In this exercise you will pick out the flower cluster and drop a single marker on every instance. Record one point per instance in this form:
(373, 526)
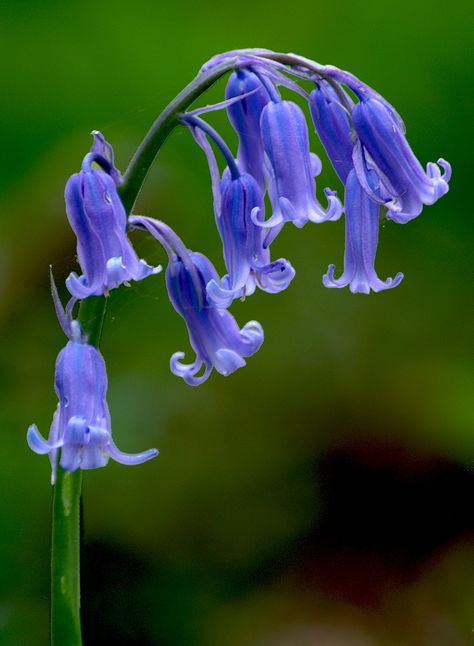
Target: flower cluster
(364, 139)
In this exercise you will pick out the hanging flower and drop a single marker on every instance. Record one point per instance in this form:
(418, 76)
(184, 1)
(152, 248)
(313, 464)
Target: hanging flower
(81, 427)
(99, 221)
(362, 231)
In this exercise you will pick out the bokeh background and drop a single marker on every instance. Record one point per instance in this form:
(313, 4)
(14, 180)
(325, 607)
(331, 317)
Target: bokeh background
(323, 494)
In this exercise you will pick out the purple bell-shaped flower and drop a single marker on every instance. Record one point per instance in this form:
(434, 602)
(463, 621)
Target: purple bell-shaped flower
(81, 427)
(213, 332)
(99, 221)
(292, 168)
(404, 186)
(246, 256)
(362, 230)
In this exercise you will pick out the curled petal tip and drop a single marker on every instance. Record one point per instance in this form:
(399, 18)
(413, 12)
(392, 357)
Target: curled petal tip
(252, 334)
(335, 208)
(447, 169)
(397, 280)
(36, 441)
(276, 276)
(316, 164)
(328, 278)
(273, 221)
(218, 295)
(227, 361)
(154, 270)
(78, 289)
(131, 458)
(188, 371)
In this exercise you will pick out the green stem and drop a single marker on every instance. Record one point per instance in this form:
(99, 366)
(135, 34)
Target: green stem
(65, 593)
(91, 317)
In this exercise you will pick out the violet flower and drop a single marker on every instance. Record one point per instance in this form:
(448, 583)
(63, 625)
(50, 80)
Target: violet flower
(99, 221)
(404, 186)
(292, 168)
(81, 427)
(238, 206)
(362, 227)
(213, 332)
(246, 257)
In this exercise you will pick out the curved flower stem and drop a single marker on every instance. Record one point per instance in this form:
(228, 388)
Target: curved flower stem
(162, 127)
(65, 538)
(166, 122)
(65, 593)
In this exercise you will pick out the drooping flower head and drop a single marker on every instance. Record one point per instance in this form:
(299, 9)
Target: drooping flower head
(239, 212)
(81, 427)
(99, 221)
(246, 256)
(362, 230)
(292, 168)
(213, 332)
(404, 186)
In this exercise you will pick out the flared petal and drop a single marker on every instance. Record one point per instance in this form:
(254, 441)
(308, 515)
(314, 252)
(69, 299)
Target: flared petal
(292, 188)
(81, 428)
(130, 458)
(188, 371)
(37, 443)
(252, 337)
(221, 296)
(274, 277)
(362, 222)
(227, 361)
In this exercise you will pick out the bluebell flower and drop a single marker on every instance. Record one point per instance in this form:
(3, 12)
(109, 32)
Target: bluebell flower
(246, 256)
(81, 427)
(332, 124)
(292, 168)
(239, 212)
(404, 186)
(362, 228)
(99, 221)
(244, 116)
(213, 332)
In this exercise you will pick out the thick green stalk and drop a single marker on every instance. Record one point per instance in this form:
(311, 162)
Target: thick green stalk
(162, 127)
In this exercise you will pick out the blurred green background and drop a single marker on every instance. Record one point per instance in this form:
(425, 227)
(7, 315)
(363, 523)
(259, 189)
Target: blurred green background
(322, 495)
